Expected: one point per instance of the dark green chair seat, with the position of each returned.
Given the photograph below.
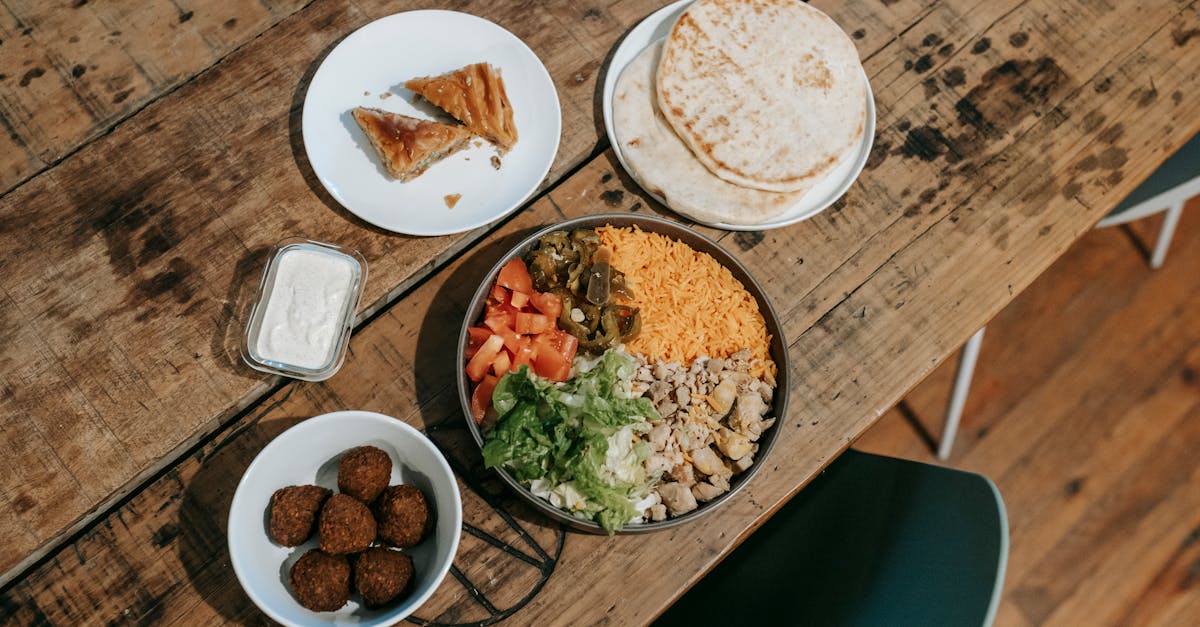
(872, 541)
(1178, 169)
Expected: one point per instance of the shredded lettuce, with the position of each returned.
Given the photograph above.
(576, 443)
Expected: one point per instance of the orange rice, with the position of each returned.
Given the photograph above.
(691, 305)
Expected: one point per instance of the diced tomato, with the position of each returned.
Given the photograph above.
(515, 276)
(532, 323)
(481, 398)
(501, 363)
(555, 350)
(499, 296)
(525, 355)
(549, 304)
(500, 317)
(501, 327)
(476, 336)
(482, 359)
(519, 300)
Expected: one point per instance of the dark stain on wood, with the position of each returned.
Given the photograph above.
(606, 178)
(1018, 39)
(174, 281)
(1073, 486)
(1044, 231)
(1071, 189)
(946, 50)
(925, 143)
(613, 197)
(78, 71)
(923, 64)
(1093, 120)
(1113, 158)
(1006, 93)
(1114, 177)
(904, 125)
(637, 206)
(1177, 97)
(954, 77)
(36, 72)
(928, 195)
(1181, 37)
(981, 46)
(1103, 85)
(1112, 133)
(1189, 377)
(746, 240)
(23, 503)
(231, 22)
(121, 96)
(165, 535)
(1146, 97)
(931, 87)
(932, 39)
(878, 155)
(592, 14)
(185, 16)
(859, 34)
(908, 64)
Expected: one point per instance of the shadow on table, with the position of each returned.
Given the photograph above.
(204, 513)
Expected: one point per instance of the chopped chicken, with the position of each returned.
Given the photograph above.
(705, 492)
(658, 513)
(708, 462)
(684, 473)
(678, 498)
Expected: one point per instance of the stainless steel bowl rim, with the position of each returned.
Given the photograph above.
(675, 230)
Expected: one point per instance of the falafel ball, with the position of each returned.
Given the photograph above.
(403, 515)
(363, 472)
(381, 575)
(320, 581)
(294, 513)
(346, 525)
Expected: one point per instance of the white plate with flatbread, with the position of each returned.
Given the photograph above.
(822, 191)
(369, 67)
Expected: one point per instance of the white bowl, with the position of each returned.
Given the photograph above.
(308, 454)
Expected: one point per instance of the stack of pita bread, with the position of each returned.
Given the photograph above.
(741, 109)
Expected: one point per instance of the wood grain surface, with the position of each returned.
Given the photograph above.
(1005, 131)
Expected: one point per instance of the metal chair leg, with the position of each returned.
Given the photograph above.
(1170, 221)
(958, 396)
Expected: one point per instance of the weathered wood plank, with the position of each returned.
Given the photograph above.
(865, 325)
(70, 71)
(125, 264)
(127, 306)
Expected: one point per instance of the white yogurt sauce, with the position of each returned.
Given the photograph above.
(303, 317)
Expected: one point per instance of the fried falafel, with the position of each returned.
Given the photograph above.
(346, 525)
(381, 575)
(363, 472)
(320, 581)
(403, 515)
(294, 513)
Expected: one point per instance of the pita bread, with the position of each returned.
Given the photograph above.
(662, 164)
(767, 94)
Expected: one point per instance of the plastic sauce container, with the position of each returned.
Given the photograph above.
(302, 316)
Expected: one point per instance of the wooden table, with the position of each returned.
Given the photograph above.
(152, 153)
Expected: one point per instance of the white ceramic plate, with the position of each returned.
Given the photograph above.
(831, 187)
(377, 59)
(308, 453)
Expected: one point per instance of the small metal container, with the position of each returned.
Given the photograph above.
(337, 320)
(778, 351)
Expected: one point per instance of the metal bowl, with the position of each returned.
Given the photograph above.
(699, 243)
